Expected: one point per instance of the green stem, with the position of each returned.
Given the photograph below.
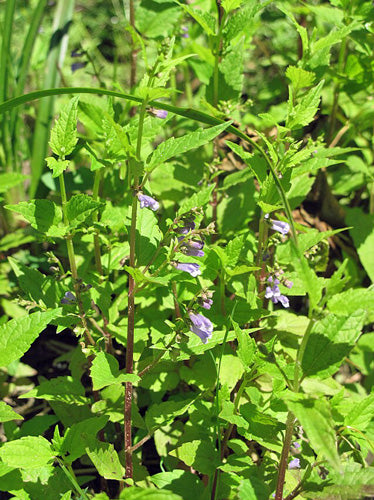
(95, 197)
(131, 306)
(335, 104)
(300, 354)
(217, 52)
(73, 266)
(68, 470)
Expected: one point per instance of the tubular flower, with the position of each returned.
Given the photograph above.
(294, 464)
(148, 202)
(280, 226)
(189, 267)
(201, 326)
(273, 293)
(68, 298)
(192, 247)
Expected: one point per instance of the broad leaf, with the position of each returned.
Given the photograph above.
(105, 459)
(56, 165)
(74, 442)
(174, 147)
(105, 371)
(29, 452)
(64, 132)
(64, 389)
(17, 335)
(43, 215)
(7, 413)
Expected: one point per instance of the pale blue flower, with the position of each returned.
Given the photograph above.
(68, 299)
(201, 326)
(148, 202)
(189, 267)
(294, 464)
(280, 226)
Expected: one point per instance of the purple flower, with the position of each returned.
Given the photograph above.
(77, 65)
(201, 326)
(192, 247)
(296, 445)
(288, 283)
(185, 32)
(206, 303)
(280, 226)
(188, 267)
(189, 225)
(274, 294)
(160, 113)
(148, 202)
(294, 464)
(68, 298)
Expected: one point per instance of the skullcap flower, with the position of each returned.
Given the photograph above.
(189, 267)
(294, 464)
(201, 326)
(69, 298)
(280, 226)
(148, 202)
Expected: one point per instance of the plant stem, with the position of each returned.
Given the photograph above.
(71, 476)
(284, 456)
(335, 104)
(73, 266)
(131, 306)
(95, 196)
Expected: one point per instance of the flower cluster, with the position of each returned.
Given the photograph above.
(273, 293)
(189, 246)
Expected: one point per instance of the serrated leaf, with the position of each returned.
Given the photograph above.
(43, 215)
(73, 441)
(56, 165)
(206, 20)
(362, 233)
(64, 132)
(361, 414)
(196, 200)
(351, 300)
(309, 278)
(105, 371)
(18, 334)
(174, 147)
(137, 493)
(79, 208)
(29, 452)
(230, 5)
(329, 343)
(105, 459)
(246, 347)
(159, 415)
(303, 113)
(315, 417)
(199, 454)
(7, 413)
(64, 389)
(299, 77)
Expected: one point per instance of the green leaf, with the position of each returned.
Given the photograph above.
(79, 208)
(247, 347)
(315, 417)
(137, 493)
(303, 113)
(351, 300)
(162, 414)
(7, 413)
(64, 132)
(174, 147)
(105, 459)
(56, 165)
(148, 236)
(43, 215)
(206, 20)
(9, 180)
(312, 284)
(65, 389)
(29, 452)
(199, 454)
(196, 200)
(362, 232)
(361, 413)
(74, 442)
(17, 335)
(230, 5)
(329, 343)
(105, 371)
(299, 77)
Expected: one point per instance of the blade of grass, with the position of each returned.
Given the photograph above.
(26, 57)
(5, 48)
(56, 55)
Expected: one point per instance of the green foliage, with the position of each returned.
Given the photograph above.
(214, 339)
